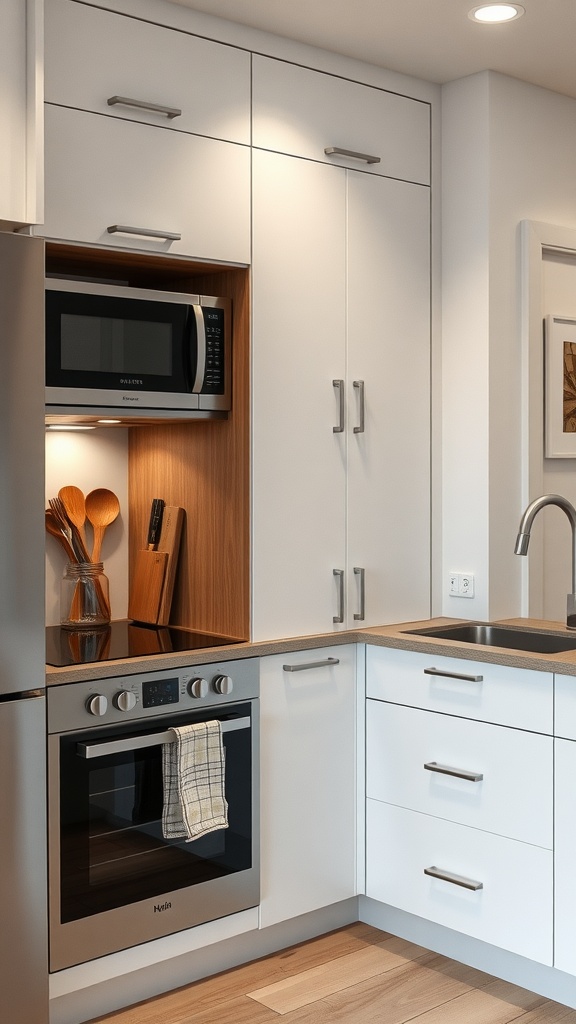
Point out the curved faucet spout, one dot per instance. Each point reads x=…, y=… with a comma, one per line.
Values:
x=523, y=539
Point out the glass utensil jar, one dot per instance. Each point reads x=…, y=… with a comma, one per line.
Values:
x=84, y=596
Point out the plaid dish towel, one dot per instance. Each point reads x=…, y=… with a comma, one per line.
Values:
x=193, y=771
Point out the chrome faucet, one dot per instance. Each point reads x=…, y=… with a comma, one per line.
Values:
x=523, y=539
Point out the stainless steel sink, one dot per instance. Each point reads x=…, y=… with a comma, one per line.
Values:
x=490, y=635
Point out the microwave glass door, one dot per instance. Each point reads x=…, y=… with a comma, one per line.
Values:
x=95, y=341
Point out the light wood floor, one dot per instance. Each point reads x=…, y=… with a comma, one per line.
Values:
x=357, y=975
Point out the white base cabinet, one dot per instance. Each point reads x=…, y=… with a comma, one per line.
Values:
x=512, y=905
x=308, y=771
x=459, y=827
x=565, y=824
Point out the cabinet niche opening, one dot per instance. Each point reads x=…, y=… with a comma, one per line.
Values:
x=202, y=466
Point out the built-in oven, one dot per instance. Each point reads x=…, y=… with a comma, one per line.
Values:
x=115, y=880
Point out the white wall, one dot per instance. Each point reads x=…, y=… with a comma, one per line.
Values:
x=465, y=344
x=515, y=161
x=89, y=460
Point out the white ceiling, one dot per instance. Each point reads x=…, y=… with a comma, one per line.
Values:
x=431, y=39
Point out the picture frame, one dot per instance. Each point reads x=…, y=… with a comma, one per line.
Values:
x=560, y=387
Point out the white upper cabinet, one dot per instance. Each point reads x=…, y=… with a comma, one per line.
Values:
x=147, y=134
x=96, y=60
x=305, y=113
x=20, y=111
x=104, y=173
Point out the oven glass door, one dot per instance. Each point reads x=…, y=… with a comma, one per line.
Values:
x=112, y=851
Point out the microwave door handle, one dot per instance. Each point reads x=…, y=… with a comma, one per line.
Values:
x=200, y=350
x=107, y=747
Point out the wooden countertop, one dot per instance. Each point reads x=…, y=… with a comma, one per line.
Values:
x=380, y=636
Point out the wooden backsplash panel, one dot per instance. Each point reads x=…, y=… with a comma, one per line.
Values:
x=204, y=467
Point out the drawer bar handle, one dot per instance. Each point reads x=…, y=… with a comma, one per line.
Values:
x=154, y=108
x=359, y=384
x=449, y=876
x=452, y=675
x=310, y=664
x=359, y=571
x=339, y=385
x=125, y=229
x=458, y=773
x=365, y=157
x=339, y=575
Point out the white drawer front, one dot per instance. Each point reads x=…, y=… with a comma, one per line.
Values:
x=93, y=55
x=513, y=798
x=303, y=112
x=512, y=910
x=565, y=706
x=565, y=857
x=473, y=689
x=101, y=171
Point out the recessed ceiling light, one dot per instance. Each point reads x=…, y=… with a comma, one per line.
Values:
x=493, y=14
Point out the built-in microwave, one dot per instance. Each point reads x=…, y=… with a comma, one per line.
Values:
x=132, y=351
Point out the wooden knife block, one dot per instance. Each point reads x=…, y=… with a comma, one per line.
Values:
x=155, y=573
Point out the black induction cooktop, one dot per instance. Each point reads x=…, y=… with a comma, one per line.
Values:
x=123, y=639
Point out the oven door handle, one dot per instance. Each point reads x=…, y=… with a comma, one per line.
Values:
x=106, y=747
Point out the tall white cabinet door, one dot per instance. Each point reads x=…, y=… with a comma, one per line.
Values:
x=299, y=349
x=308, y=769
x=389, y=352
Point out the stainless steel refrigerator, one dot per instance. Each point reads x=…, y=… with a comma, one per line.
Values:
x=23, y=900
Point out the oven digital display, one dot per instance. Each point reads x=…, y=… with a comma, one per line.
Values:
x=156, y=693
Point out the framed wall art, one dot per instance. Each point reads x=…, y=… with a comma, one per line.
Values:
x=560, y=387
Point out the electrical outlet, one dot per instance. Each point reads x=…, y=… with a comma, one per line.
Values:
x=466, y=584
x=461, y=584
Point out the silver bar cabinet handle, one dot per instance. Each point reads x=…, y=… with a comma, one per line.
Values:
x=365, y=157
x=89, y=750
x=154, y=108
x=310, y=664
x=358, y=571
x=339, y=384
x=126, y=229
x=458, y=773
x=359, y=384
x=453, y=675
x=449, y=876
x=339, y=574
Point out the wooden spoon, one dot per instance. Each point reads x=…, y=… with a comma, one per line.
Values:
x=102, y=508
x=75, y=507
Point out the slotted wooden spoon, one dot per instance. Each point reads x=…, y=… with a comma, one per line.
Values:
x=102, y=508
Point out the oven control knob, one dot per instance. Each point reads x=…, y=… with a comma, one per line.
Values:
x=97, y=705
x=198, y=687
x=223, y=684
x=125, y=700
